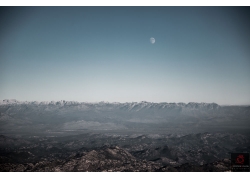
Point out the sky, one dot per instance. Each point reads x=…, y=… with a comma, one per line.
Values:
x=92, y=54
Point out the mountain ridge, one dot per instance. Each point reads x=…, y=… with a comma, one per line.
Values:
x=14, y=101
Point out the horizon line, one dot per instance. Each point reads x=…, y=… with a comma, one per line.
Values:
x=97, y=102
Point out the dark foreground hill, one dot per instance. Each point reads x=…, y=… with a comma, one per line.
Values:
x=100, y=152
x=110, y=159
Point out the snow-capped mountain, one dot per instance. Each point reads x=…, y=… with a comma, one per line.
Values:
x=128, y=105
x=164, y=117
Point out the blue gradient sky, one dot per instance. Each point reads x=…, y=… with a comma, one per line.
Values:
x=201, y=54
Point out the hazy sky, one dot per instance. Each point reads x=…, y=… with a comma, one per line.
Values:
x=201, y=54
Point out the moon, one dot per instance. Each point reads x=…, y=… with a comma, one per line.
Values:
x=152, y=40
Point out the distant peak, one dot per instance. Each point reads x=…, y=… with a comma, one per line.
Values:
x=10, y=100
